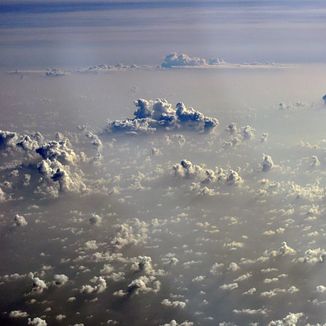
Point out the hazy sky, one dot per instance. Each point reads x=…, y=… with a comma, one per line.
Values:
x=77, y=33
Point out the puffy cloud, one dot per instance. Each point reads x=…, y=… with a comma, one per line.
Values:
x=180, y=60
x=55, y=161
x=248, y=132
x=186, y=169
x=313, y=256
x=130, y=234
x=143, y=263
x=267, y=163
x=8, y=138
x=3, y=196
x=95, y=219
x=290, y=320
x=284, y=250
x=20, y=220
x=38, y=285
x=58, y=151
x=144, y=284
x=54, y=171
x=175, y=59
x=233, y=178
x=175, y=323
x=55, y=72
x=159, y=114
x=18, y=314
x=37, y=322
x=173, y=304
x=98, y=287
x=314, y=161
x=60, y=279
x=229, y=287
x=321, y=288
x=276, y=291
x=250, y=312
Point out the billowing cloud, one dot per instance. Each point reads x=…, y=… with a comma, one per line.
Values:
x=159, y=114
x=174, y=60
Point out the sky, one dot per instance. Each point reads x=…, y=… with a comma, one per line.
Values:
x=183, y=190
x=79, y=33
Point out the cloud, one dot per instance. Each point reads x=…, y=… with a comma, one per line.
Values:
x=180, y=60
x=37, y=322
x=251, y=312
x=54, y=72
x=159, y=114
x=267, y=163
x=18, y=314
x=38, y=285
x=95, y=219
x=229, y=287
x=144, y=284
x=54, y=161
x=290, y=320
x=313, y=256
x=20, y=220
x=175, y=59
x=186, y=169
x=175, y=323
x=98, y=287
x=173, y=304
x=60, y=280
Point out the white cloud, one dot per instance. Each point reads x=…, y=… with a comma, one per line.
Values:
x=159, y=114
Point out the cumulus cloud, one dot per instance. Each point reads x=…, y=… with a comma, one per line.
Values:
x=180, y=60
x=130, y=234
x=37, y=322
x=159, y=114
x=55, y=72
x=229, y=287
x=251, y=312
x=290, y=320
x=173, y=304
x=18, y=314
x=267, y=163
x=313, y=256
x=175, y=323
x=20, y=220
x=186, y=169
x=98, y=287
x=60, y=280
x=144, y=284
x=95, y=219
x=38, y=285
x=55, y=161
x=174, y=59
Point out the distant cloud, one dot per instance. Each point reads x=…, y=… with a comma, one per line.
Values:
x=159, y=114
x=184, y=60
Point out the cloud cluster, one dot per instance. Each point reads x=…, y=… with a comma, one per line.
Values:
x=186, y=169
x=159, y=114
x=52, y=166
x=290, y=320
x=99, y=286
x=174, y=59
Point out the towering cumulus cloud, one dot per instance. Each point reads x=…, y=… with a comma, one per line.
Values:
x=159, y=114
x=48, y=167
x=180, y=60
x=174, y=60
